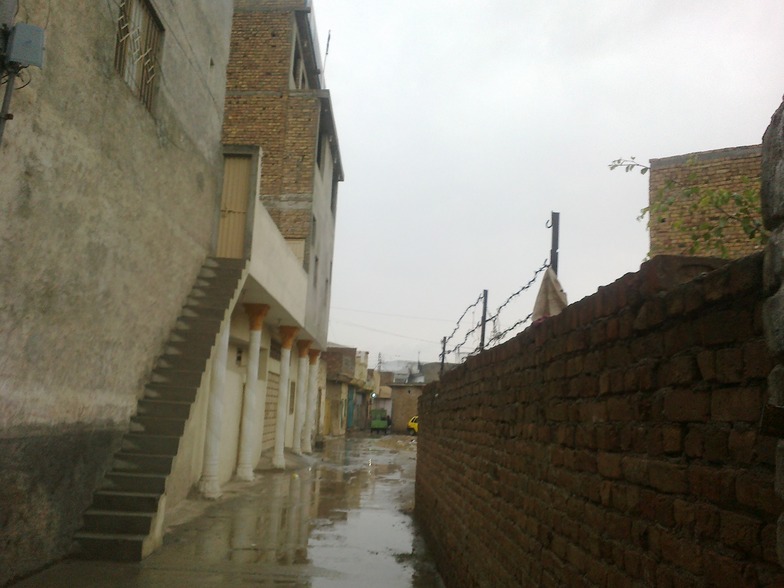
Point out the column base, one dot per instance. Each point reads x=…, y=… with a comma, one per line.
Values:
x=245, y=474
x=210, y=488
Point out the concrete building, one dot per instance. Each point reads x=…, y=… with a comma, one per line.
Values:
x=161, y=320
x=735, y=169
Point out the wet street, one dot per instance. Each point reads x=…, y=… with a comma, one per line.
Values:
x=340, y=518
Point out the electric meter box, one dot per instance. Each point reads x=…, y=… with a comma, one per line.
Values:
x=26, y=45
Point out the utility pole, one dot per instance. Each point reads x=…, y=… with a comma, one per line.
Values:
x=555, y=220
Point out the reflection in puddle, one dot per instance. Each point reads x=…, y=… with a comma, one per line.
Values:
x=342, y=522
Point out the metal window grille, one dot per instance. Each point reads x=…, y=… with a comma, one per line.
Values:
x=139, y=35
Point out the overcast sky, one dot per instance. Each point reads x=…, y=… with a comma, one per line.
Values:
x=464, y=123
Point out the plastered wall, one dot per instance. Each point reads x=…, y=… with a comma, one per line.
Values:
x=106, y=214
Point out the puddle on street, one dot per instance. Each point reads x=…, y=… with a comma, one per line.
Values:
x=344, y=521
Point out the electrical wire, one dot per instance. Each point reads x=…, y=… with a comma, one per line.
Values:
x=418, y=318
x=386, y=332
x=462, y=316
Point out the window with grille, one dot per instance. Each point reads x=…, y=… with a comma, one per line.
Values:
x=139, y=36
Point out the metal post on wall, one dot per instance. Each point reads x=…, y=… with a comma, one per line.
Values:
x=443, y=354
x=555, y=220
x=484, y=319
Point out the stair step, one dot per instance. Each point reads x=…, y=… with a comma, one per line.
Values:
x=204, y=294
x=203, y=311
x=126, y=501
x=192, y=324
x=134, y=482
x=179, y=377
x=211, y=302
x=111, y=547
x=194, y=362
x=214, y=286
x=183, y=337
x=157, y=425
x=214, y=260
x=150, y=444
x=172, y=392
x=117, y=522
x=181, y=344
x=163, y=408
x=142, y=462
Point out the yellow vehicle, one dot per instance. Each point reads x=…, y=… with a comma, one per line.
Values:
x=413, y=426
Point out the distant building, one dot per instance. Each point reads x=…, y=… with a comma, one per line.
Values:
x=734, y=169
x=403, y=387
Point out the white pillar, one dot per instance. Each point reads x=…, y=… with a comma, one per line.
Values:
x=209, y=484
x=250, y=429
x=287, y=339
x=302, y=394
x=310, y=416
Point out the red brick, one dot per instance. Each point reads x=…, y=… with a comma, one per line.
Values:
x=722, y=570
x=686, y=405
x=756, y=490
x=729, y=366
x=706, y=361
x=714, y=484
x=736, y=404
x=682, y=553
x=635, y=470
x=668, y=477
x=678, y=371
x=757, y=361
x=672, y=439
x=609, y=465
x=739, y=531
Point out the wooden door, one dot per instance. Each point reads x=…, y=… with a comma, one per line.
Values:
x=234, y=206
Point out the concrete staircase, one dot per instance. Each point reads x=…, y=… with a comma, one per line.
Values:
x=125, y=520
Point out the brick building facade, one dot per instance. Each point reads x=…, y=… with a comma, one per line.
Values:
x=735, y=169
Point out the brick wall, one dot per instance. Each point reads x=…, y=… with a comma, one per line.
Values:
x=616, y=444
x=772, y=196
x=734, y=169
x=262, y=110
x=340, y=362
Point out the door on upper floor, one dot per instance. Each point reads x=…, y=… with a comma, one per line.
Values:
x=233, y=224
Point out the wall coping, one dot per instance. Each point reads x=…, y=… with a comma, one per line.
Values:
x=746, y=151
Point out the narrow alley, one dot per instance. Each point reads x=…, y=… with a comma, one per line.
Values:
x=340, y=518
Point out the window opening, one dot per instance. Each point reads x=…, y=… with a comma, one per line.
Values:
x=136, y=57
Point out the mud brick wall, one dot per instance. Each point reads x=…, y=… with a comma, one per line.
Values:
x=616, y=444
x=772, y=197
x=735, y=169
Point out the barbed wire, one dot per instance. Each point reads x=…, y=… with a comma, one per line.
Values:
x=494, y=319
x=503, y=333
x=462, y=316
x=465, y=339
x=530, y=283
